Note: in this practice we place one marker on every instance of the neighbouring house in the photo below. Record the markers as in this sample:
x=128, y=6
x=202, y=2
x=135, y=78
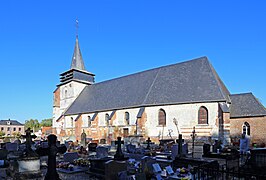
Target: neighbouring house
x=152, y=103
x=9, y=127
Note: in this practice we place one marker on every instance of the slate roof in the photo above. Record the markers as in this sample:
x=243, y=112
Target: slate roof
x=77, y=61
x=12, y=122
x=246, y=105
x=187, y=82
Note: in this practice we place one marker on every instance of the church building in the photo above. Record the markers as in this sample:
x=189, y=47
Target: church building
x=158, y=103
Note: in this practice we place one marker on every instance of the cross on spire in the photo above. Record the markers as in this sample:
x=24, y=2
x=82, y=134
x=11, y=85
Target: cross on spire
x=77, y=27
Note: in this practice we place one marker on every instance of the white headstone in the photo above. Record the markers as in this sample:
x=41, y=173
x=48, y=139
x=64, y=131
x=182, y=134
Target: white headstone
x=169, y=170
x=156, y=168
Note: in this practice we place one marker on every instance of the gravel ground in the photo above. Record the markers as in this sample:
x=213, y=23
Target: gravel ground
x=63, y=176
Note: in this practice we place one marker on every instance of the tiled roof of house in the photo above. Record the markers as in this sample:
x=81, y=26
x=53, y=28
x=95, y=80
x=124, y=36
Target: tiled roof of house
x=246, y=105
x=186, y=82
x=12, y=122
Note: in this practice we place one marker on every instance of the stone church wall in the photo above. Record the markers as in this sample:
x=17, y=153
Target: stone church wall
x=187, y=117
x=257, y=128
x=185, y=114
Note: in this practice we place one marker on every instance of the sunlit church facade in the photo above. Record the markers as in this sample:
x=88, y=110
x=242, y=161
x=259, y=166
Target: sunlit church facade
x=156, y=103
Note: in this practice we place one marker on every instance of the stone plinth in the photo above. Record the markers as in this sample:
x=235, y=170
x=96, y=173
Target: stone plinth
x=29, y=164
x=25, y=168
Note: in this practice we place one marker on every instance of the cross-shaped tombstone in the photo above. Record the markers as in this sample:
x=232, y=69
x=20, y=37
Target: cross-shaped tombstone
x=51, y=151
x=148, y=143
x=119, y=154
x=28, y=137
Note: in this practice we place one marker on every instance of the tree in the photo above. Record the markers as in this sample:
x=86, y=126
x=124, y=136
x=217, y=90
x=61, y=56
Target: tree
x=47, y=122
x=33, y=124
x=2, y=134
x=16, y=134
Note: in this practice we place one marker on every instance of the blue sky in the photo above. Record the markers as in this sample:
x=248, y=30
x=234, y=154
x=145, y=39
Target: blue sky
x=123, y=37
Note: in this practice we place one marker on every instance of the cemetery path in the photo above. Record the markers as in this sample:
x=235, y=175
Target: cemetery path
x=63, y=176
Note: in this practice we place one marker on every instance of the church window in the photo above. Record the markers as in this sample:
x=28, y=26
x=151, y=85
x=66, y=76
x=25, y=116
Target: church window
x=72, y=122
x=246, y=129
x=162, y=117
x=89, y=121
x=125, y=132
x=127, y=118
x=65, y=93
x=107, y=119
x=203, y=115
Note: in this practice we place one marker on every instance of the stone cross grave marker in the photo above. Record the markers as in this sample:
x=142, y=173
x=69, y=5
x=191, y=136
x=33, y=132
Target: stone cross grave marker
x=28, y=137
x=148, y=142
x=119, y=154
x=51, y=151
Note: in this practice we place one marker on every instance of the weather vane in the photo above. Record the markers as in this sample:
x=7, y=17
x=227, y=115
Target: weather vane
x=77, y=26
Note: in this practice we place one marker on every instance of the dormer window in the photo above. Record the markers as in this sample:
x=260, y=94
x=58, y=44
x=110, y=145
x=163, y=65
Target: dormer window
x=8, y=122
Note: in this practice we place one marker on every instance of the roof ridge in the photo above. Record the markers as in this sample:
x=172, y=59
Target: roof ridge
x=169, y=65
x=219, y=82
x=239, y=94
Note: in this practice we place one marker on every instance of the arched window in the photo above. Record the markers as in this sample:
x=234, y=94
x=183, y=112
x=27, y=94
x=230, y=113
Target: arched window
x=72, y=122
x=162, y=117
x=127, y=118
x=203, y=115
x=246, y=129
x=65, y=93
x=107, y=119
x=89, y=121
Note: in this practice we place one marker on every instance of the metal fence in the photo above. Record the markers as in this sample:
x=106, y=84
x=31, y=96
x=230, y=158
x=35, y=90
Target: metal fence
x=203, y=172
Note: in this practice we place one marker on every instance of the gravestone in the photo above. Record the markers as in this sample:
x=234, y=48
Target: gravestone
x=83, y=138
x=119, y=153
x=70, y=156
x=27, y=164
x=92, y=147
x=206, y=149
x=29, y=152
x=11, y=147
x=101, y=152
x=131, y=148
x=174, y=151
x=148, y=143
x=112, y=169
x=51, y=151
x=44, y=144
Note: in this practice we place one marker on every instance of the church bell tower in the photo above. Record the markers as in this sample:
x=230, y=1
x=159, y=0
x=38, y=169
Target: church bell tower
x=72, y=82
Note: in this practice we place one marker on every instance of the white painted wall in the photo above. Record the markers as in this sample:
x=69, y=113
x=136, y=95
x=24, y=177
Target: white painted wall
x=185, y=114
x=68, y=93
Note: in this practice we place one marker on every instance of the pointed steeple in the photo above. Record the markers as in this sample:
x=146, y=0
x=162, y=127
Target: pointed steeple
x=77, y=61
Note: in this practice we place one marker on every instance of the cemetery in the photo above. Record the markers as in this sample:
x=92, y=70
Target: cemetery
x=171, y=159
